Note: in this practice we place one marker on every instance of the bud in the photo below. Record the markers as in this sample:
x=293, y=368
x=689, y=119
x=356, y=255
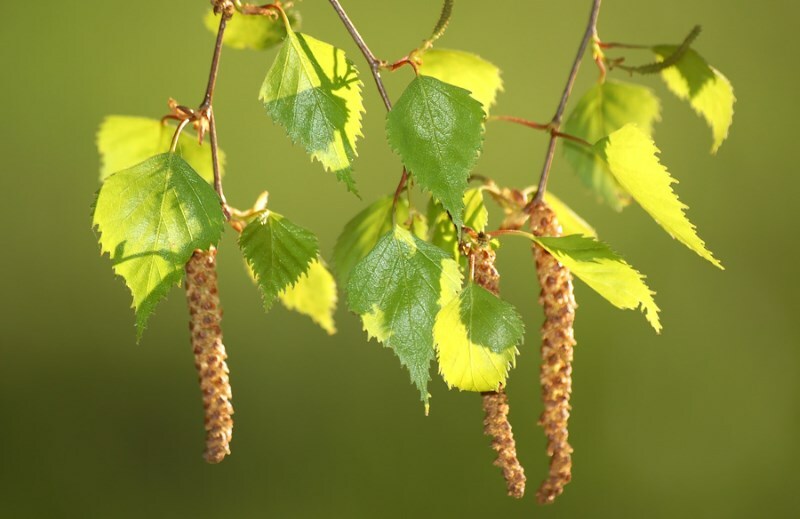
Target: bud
x=209, y=352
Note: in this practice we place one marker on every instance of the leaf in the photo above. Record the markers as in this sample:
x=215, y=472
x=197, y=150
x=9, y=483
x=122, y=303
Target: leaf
x=605, y=272
x=125, y=141
x=278, y=251
x=151, y=218
x=360, y=234
x=605, y=108
x=437, y=129
x=476, y=336
x=444, y=234
x=314, y=295
x=465, y=70
x=314, y=92
x=570, y=221
x=631, y=157
x=252, y=32
x=398, y=289
x=709, y=92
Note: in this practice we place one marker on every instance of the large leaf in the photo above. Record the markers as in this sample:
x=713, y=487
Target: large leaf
x=124, y=141
x=476, y=336
x=278, y=251
x=314, y=92
x=443, y=233
x=437, y=129
x=398, y=289
x=707, y=90
x=605, y=108
x=314, y=295
x=253, y=32
x=151, y=218
x=465, y=70
x=361, y=233
x=605, y=272
x=631, y=157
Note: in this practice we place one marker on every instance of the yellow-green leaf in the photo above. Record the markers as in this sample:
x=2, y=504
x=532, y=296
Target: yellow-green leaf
x=443, y=234
x=570, y=221
x=476, y=336
x=466, y=70
x=124, y=141
x=605, y=272
x=607, y=107
x=253, y=32
x=631, y=157
x=709, y=92
x=314, y=295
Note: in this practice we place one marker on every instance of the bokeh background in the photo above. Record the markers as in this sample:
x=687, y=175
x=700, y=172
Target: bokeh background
x=701, y=421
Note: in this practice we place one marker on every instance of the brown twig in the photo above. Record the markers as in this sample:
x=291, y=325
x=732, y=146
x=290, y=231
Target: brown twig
x=555, y=123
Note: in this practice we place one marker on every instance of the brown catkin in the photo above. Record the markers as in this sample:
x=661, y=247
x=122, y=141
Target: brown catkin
x=558, y=341
x=495, y=403
x=209, y=352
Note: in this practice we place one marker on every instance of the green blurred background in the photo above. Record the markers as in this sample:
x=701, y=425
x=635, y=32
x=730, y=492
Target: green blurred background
x=701, y=421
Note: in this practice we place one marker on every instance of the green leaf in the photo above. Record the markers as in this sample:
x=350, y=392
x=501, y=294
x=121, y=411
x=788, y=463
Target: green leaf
x=360, y=234
x=465, y=70
x=314, y=92
x=151, y=218
x=605, y=272
x=278, y=251
x=476, y=336
x=125, y=141
x=570, y=221
x=314, y=295
x=605, y=108
x=444, y=234
x=437, y=129
x=398, y=289
x=252, y=32
x=631, y=157
x=707, y=90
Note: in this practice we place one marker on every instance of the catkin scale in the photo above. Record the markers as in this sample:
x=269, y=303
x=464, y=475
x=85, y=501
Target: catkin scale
x=558, y=302
x=495, y=403
x=209, y=352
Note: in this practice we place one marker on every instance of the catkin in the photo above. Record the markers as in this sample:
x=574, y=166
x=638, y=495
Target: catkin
x=209, y=352
x=558, y=341
x=495, y=403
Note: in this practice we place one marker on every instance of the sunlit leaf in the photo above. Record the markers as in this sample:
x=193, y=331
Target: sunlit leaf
x=465, y=70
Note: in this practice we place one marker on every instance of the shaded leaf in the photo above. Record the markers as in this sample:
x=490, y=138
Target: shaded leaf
x=476, y=336
x=444, y=234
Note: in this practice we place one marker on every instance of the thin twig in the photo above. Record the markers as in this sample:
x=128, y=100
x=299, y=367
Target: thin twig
x=175, y=136
x=374, y=63
x=519, y=120
x=555, y=124
x=212, y=133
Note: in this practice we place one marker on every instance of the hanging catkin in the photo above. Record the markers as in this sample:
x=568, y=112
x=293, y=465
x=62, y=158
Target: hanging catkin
x=495, y=403
x=558, y=340
x=209, y=352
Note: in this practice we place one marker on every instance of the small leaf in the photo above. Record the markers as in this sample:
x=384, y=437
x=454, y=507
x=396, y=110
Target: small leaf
x=398, y=289
x=707, y=90
x=314, y=92
x=125, y=141
x=476, y=336
x=437, y=129
x=444, y=234
x=605, y=272
x=314, y=295
x=465, y=70
x=360, y=234
x=151, y=218
x=253, y=32
x=631, y=157
x=570, y=221
x=605, y=108
x=278, y=251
